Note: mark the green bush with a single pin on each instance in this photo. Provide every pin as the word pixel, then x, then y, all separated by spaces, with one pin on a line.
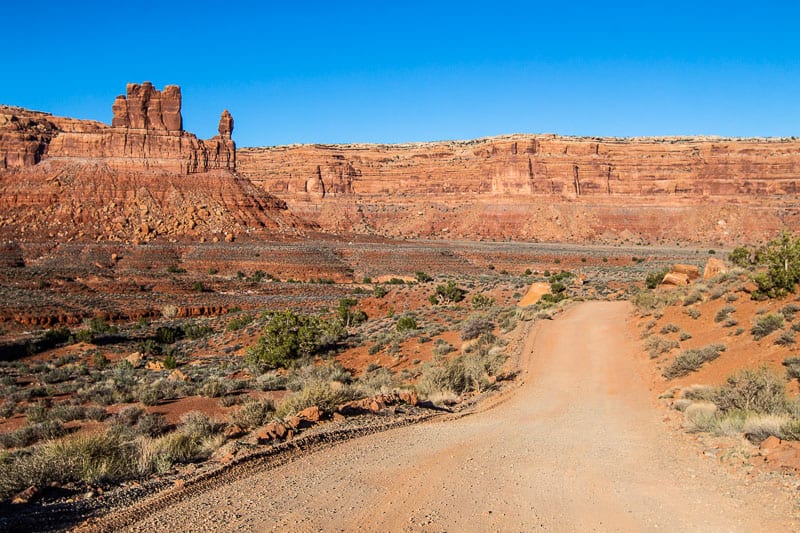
pixel 653 278
pixel 238 322
pixel 781 257
pixel 406 323
pixel 348 315
pixel 766 324
pixel 741 257
pixel 481 301
pixel 289 336
pixel 380 291
pixel 422 277
pixel 448 292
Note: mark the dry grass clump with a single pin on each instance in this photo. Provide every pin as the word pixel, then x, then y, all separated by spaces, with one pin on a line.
pixel 766 324
pixel 253 413
pixel 691 360
pixel 324 394
pixel 657 345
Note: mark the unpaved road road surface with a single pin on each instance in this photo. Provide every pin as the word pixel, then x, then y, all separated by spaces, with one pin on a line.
pixel 580 446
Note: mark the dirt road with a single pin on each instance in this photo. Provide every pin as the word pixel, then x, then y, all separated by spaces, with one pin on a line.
pixel 578 447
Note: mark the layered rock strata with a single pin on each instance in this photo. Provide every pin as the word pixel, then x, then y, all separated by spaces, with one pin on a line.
pixel 541 187
pixel 141 177
pixel 146 132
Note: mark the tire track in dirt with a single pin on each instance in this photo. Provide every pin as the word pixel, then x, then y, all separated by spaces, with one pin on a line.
pixel 577 446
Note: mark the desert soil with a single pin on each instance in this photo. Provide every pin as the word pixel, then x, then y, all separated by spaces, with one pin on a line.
pixel 579 446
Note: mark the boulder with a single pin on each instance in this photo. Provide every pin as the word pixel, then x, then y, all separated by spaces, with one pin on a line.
pixel 26 496
pixel 692 272
pixel 675 278
pixel 714 267
pixel 311 414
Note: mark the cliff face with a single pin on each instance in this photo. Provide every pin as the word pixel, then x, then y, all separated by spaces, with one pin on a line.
pixel 141 177
pixel 146 132
pixel 540 187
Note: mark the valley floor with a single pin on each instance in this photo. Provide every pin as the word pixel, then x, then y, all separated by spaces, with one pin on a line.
pixel 578 446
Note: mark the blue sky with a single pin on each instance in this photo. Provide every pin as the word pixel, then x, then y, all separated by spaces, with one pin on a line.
pixel 337 72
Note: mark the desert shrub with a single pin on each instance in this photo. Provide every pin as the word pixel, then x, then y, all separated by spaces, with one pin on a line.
pixel 759 391
pixel 238 322
pixel 792 365
pixel 195 331
pixel 729 323
pixel 422 277
pixel 789 310
pixel 691 360
pixel 650 301
pixel 380 291
pixel 732 297
pixel 758 427
pixel 700 416
pixel 786 338
pixel 67 413
pixel 684 336
pixel 692 298
pixel 406 323
pixel 449 292
pixel 100 361
pixel 253 413
pixel 376 381
pixel 289 336
pixel 330 372
pixel 151 425
pixel 698 393
pixel 693 312
pixel 766 324
pixel 481 301
pixel 166 335
pixel 31 434
pixel 475 327
pixel 91 459
pixel 271 381
pixel 322 394
pixel 653 278
pixel 723 313
pixel 214 388
pixel 669 328
pixel 657 345
pixel 441 347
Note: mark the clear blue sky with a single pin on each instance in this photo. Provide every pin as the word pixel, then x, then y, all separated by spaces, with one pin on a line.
pixel 373 71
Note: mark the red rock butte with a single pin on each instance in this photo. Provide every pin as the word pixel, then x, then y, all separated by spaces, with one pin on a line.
pixel 144 176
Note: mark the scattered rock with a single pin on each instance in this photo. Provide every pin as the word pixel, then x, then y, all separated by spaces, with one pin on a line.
pixel 177 375
pixel 27 495
pixel 692 272
pixel 135 359
pixel 714 267
pixel 675 278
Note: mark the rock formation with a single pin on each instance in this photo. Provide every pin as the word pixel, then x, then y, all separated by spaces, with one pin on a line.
pixel 541 187
pixel 146 132
pixel 143 176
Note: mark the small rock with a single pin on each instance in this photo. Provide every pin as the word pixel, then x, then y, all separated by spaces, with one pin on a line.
pixel 26 496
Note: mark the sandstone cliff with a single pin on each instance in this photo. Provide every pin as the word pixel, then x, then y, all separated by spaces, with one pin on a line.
pixel 146 132
pixel 541 187
pixel 141 177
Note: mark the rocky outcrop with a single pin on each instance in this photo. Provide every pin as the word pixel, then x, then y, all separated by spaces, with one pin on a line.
pixel 140 178
pixel 541 187
pixel 146 133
